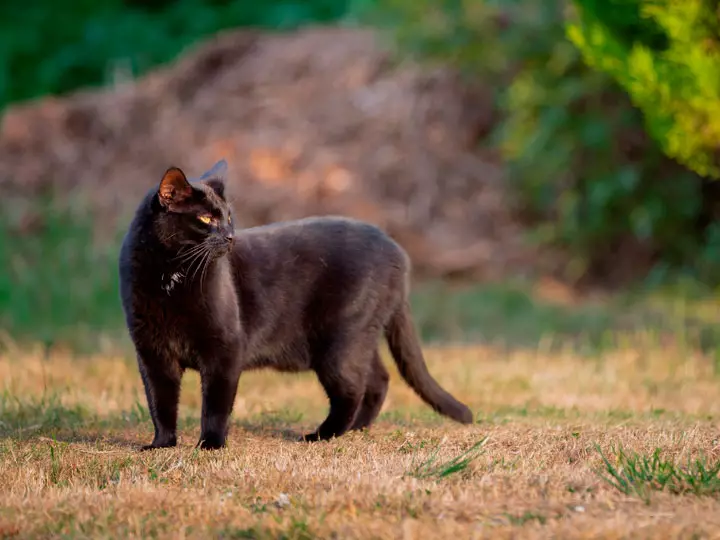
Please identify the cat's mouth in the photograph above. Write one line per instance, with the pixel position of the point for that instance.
(222, 247)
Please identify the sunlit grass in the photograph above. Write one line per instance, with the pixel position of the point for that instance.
(642, 474)
(70, 430)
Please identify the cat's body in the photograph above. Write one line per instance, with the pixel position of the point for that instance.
(313, 294)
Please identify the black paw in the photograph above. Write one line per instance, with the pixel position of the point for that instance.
(310, 437)
(170, 443)
(211, 442)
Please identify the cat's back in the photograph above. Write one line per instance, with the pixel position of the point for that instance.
(327, 237)
(311, 273)
(129, 248)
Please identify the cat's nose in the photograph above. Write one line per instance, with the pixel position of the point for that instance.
(229, 237)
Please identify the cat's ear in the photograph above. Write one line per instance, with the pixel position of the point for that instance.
(174, 187)
(216, 178)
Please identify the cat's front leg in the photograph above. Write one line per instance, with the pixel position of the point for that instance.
(161, 379)
(219, 378)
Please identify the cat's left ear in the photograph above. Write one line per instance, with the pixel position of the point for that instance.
(174, 188)
(216, 178)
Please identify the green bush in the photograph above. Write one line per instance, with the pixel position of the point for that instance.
(575, 145)
(51, 47)
(673, 77)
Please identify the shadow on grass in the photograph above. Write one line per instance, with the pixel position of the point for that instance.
(278, 424)
(283, 423)
(48, 417)
(286, 434)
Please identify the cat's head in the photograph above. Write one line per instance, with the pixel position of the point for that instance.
(194, 213)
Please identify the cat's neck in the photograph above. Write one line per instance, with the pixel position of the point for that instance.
(172, 270)
(197, 273)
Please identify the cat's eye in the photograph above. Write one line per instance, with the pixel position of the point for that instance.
(205, 219)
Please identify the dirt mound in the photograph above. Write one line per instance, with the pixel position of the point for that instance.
(316, 122)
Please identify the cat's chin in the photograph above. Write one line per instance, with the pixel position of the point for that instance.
(221, 251)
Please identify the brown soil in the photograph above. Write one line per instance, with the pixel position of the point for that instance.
(316, 122)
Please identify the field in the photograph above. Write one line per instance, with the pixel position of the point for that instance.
(532, 466)
(597, 411)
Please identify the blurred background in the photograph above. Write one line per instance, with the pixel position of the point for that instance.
(550, 166)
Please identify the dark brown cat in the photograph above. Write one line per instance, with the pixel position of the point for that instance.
(313, 294)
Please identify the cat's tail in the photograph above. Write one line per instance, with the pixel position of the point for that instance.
(405, 348)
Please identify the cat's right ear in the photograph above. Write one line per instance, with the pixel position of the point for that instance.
(174, 188)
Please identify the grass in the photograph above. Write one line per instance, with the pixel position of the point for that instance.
(548, 456)
(430, 468)
(58, 283)
(594, 417)
(640, 475)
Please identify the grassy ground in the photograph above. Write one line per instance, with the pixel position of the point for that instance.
(595, 418)
(532, 466)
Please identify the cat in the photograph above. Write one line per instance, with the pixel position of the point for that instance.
(312, 294)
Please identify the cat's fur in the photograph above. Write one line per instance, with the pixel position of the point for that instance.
(313, 294)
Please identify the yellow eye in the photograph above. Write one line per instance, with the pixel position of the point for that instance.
(205, 219)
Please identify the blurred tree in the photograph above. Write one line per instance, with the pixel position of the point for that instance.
(574, 143)
(51, 47)
(675, 80)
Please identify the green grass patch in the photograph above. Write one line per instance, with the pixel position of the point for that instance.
(297, 529)
(511, 314)
(432, 467)
(512, 413)
(44, 415)
(59, 279)
(65, 524)
(528, 517)
(24, 418)
(501, 313)
(642, 474)
(408, 417)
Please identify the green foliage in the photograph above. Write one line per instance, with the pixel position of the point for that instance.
(431, 468)
(45, 414)
(574, 144)
(509, 314)
(640, 475)
(674, 78)
(50, 47)
(59, 280)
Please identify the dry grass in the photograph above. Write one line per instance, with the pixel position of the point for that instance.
(70, 429)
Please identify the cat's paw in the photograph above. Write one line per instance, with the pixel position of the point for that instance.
(159, 444)
(211, 442)
(309, 437)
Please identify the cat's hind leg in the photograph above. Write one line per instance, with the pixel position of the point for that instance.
(342, 369)
(375, 392)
